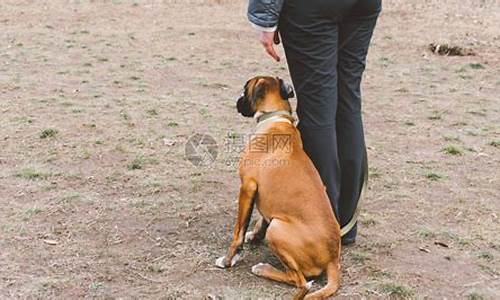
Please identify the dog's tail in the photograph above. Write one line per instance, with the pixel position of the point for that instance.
(332, 285)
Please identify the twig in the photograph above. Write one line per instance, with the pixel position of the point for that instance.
(146, 278)
(160, 257)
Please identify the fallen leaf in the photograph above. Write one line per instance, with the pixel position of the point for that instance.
(441, 244)
(51, 242)
(447, 50)
(424, 250)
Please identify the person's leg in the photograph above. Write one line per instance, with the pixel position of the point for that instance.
(310, 41)
(354, 39)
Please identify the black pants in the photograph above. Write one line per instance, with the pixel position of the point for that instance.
(326, 43)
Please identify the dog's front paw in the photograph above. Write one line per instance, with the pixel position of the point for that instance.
(223, 263)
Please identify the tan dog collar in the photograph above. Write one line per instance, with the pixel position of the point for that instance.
(273, 117)
(262, 116)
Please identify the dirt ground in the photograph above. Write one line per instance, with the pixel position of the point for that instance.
(97, 101)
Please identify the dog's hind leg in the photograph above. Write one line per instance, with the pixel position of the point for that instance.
(291, 277)
(281, 245)
(270, 272)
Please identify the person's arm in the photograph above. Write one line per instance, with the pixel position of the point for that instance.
(264, 16)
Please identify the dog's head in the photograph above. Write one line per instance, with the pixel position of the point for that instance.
(264, 93)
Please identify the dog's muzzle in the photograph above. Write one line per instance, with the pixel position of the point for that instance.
(244, 107)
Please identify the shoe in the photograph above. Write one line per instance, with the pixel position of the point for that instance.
(350, 237)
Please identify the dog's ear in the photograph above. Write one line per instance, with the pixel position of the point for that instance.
(246, 102)
(286, 90)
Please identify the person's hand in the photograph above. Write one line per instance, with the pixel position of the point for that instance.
(268, 39)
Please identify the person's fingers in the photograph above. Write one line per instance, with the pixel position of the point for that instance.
(271, 51)
(267, 39)
(276, 37)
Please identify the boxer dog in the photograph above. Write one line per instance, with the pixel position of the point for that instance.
(281, 181)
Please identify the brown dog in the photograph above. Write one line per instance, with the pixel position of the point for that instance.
(280, 179)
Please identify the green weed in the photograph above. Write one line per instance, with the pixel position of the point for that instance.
(48, 133)
(32, 174)
(396, 290)
(433, 176)
(140, 162)
(452, 150)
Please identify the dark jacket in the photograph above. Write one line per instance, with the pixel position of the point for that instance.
(265, 13)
